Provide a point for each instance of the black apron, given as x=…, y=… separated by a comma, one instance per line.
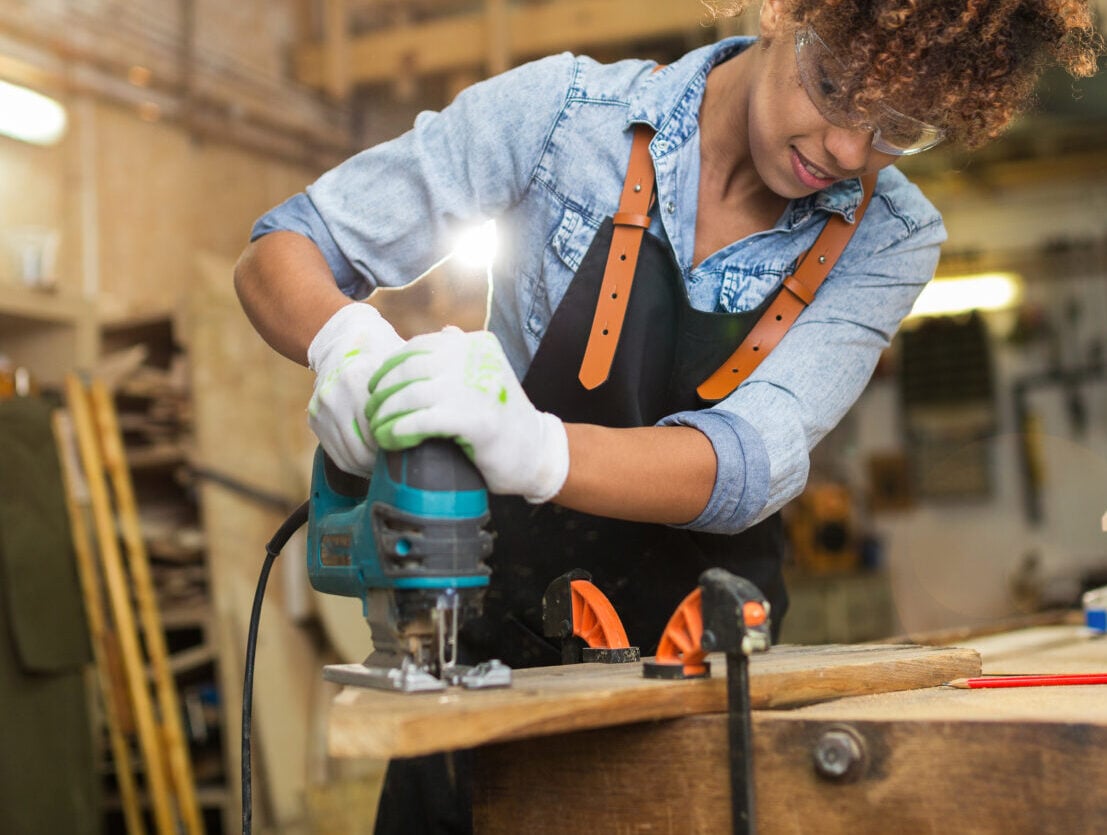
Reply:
x=666, y=349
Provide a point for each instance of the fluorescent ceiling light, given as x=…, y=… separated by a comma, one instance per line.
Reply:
x=30, y=116
x=960, y=294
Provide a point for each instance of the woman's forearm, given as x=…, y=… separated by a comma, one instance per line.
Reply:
x=661, y=474
x=287, y=291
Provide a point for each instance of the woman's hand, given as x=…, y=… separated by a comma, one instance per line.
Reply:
x=344, y=355
x=458, y=385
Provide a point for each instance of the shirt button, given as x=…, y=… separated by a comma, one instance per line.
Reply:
x=670, y=207
x=662, y=145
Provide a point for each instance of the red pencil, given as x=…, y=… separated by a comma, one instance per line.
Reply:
x=1045, y=680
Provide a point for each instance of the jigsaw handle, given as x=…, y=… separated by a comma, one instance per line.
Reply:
x=437, y=465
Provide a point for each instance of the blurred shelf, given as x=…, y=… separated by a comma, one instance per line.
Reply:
x=43, y=306
x=192, y=658
x=154, y=457
x=209, y=797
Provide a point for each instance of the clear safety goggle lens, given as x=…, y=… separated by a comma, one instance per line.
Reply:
x=893, y=132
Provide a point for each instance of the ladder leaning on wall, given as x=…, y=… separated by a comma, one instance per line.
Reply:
x=114, y=568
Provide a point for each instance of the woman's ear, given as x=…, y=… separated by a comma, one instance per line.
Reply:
x=771, y=19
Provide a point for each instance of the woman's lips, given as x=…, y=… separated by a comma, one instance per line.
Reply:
x=803, y=169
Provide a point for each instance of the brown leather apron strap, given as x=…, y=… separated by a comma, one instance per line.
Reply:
x=631, y=222
x=798, y=292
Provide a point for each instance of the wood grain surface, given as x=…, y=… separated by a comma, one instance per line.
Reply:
x=558, y=700
x=996, y=775
x=1059, y=648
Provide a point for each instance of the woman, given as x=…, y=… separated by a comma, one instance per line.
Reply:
x=611, y=454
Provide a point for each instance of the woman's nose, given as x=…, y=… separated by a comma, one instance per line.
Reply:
x=850, y=147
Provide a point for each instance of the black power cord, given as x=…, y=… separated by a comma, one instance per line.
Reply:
x=272, y=550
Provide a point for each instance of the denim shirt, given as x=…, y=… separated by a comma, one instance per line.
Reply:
x=543, y=149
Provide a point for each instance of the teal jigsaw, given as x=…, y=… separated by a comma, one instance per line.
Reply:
x=411, y=543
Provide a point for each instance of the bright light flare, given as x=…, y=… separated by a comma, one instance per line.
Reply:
x=30, y=116
x=476, y=247
x=960, y=294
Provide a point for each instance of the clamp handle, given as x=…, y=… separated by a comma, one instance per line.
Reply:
x=728, y=614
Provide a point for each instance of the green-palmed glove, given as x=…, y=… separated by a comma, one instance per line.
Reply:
x=345, y=353
x=459, y=385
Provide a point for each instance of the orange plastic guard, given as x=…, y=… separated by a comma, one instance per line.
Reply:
x=680, y=644
x=594, y=618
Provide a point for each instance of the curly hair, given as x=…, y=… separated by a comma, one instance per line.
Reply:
x=969, y=66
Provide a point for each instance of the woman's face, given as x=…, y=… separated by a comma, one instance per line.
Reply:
x=795, y=150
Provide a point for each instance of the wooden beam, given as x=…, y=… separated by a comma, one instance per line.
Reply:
x=554, y=700
x=337, y=37
x=460, y=42
x=498, y=38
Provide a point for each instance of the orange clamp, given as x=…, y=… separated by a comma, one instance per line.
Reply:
x=594, y=619
x=680, y=644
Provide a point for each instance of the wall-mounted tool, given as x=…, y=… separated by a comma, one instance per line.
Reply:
x=724, y=614
x=822, y=529
x=411, y=543
x=1031, y=454
x=575, y=611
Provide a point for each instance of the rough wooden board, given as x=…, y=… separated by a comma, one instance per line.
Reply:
x=1063, y=648
x=1051, y=649
x=991, y=760
x=996, y=776
x=555, y=700
x=1071, y=705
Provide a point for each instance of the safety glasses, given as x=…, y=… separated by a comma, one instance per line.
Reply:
x=820, y=72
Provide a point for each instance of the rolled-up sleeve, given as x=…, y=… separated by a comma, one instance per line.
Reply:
x=743, y=489
x=764, y=431
x=298, y=214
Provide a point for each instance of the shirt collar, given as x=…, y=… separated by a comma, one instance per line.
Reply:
x=842, y=198
x=669, y=101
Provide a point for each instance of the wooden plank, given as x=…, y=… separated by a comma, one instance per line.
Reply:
x=984, y=775
x=1076, y=706
x=556, y=700
x=1061, y=648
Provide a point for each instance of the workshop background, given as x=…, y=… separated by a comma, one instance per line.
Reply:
x=966, y=487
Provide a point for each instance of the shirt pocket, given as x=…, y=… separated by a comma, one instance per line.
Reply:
x=745, y=286
x=564, y=253
x=573, y=237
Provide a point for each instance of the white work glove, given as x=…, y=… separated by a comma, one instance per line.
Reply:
x=459, y=385
x=344, y=355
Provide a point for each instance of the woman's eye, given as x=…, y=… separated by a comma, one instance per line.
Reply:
x=827, y=87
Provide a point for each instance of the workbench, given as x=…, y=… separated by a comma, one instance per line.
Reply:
x=598, y=748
